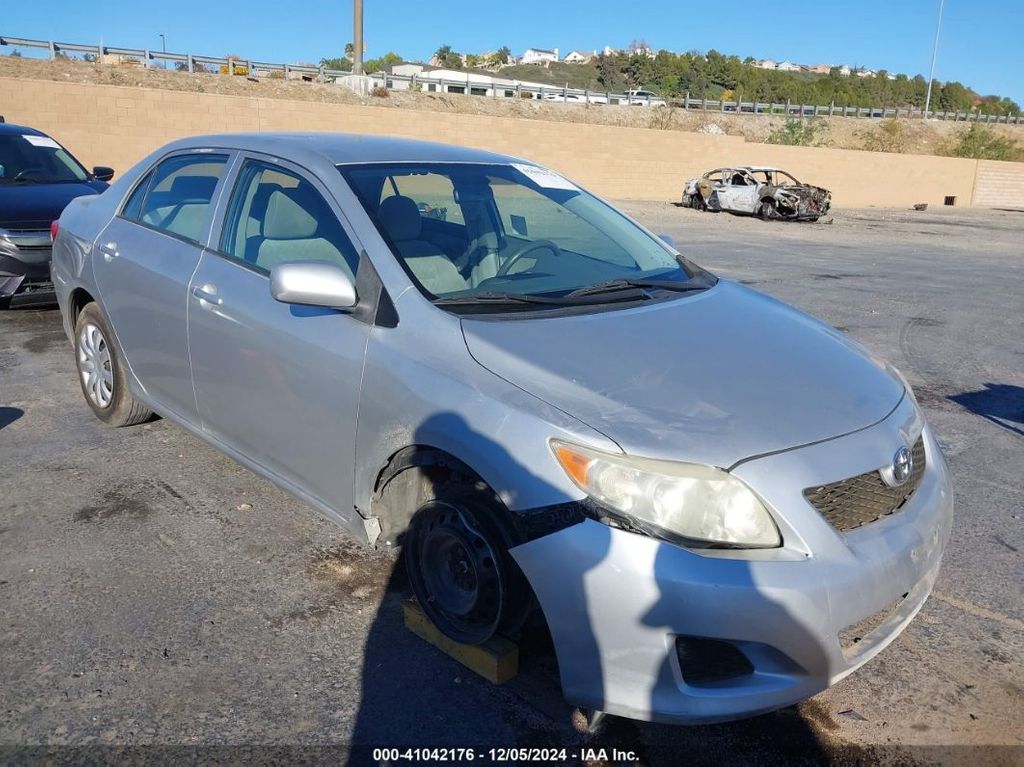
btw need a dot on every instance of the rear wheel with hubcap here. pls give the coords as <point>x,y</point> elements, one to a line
<point>101,372</point>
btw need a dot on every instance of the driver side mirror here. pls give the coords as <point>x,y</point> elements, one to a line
<point>102,173</point>
<point>313,283</point>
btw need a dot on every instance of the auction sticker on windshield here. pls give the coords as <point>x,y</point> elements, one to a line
<point>545,178</point>
<point>42,141</point>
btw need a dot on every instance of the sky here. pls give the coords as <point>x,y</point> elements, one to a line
<point>979,43</point>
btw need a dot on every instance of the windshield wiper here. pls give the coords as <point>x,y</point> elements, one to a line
<point>498,298</point>
<point>572,299</point>
<point>612,286</point>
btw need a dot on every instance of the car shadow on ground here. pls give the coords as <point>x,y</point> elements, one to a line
<point>9,415</point>
<point>409,690</point>
<point>1002,404</point>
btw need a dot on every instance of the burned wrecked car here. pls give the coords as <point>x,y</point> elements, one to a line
<point>756,191</point>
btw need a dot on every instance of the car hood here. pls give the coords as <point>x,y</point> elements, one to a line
<point>35,206</point>
<point>712,378</point>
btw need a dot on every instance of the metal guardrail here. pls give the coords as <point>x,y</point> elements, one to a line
<point>496,87</point>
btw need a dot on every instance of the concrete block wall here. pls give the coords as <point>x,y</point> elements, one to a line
<point>117,125</point>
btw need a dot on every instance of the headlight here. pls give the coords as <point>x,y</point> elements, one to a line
<point>704,505</point>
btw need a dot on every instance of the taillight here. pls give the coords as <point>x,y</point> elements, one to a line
<point>54,228</point>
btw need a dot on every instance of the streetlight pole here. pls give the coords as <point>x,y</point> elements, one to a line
<point>935,51</point>
<point>163,47</point>
<point>357,37</point>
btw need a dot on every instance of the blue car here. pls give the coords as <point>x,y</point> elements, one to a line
<point>38,177</point>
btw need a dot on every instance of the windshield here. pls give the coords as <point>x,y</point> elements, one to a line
<point>37,159</point>
<point>514,234</point>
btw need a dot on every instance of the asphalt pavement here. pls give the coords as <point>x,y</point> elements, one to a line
<point>153,592</point>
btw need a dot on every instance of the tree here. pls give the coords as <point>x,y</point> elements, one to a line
<point>446,57</point>
<point>504,54</point>
<point>608,74</point>
<point>386,61</point>
<point>341,64</point>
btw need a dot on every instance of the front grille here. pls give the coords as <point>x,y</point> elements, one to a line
<point>861,500</point>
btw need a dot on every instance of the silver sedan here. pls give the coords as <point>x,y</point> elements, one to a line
<point>720,505</point>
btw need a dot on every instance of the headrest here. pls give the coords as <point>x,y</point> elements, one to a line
<point>258,208</point>
<point>192,188</point>
<point>286,218</point>
<point>400,218</point>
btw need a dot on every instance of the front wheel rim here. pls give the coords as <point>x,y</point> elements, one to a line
<point>95,366</point>
<point>456,573</point>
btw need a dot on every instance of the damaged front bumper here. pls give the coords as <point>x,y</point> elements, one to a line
<point>804,203</point>
<point>25,267</point>
<point>651,631</point>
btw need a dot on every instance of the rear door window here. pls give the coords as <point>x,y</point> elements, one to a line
<point>179,197</point>
<point>133,207</point>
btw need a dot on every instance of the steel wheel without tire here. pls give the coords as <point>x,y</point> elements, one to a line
<point>767,210</point>
<point>457,569</point>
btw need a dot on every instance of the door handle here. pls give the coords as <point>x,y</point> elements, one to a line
<point>109,251</point>
<point>207,294</point>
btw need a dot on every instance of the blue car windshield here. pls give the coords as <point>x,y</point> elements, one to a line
<point>468,232</point>
<point>37,159</point>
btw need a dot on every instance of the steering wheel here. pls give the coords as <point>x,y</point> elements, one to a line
<point>521,250</point>
<point>28,172</point>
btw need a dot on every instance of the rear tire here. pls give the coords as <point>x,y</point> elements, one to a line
<point>101,372</point>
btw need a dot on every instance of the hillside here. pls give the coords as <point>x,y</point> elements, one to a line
<point>909,137</point>
<point>556,73</point>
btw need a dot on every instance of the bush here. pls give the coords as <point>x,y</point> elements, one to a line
<point>889,136</point>
<point>980,142</point>
<point>276,74</point>
<point>797,132</point>
<point>380,92</point>
<point>662,118</point>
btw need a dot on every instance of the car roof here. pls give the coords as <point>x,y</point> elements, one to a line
<point>20,130</point>
<point>345,148</point>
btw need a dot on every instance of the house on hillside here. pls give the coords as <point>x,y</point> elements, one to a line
<point>865,73</point>
<point>648,52</point>
<point>817,69</point>
<point>539,56</point>
<point>787,66</point>
<point>766,64</point>
<point>577,57</point>
<point>844,70</point>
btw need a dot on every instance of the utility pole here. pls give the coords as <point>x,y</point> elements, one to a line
<point>163,47</point>
<point>935,51</point>
<point>357,37</point>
